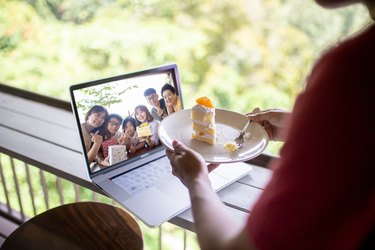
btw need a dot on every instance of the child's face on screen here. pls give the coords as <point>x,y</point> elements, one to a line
<point>96,119</point>
<point>169,97</point>
<point>113,125</point>
<point>141,115</point>
<point>129,129</point>
<point>153,100</point>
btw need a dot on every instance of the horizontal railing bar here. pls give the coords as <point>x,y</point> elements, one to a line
<point>42,139</point>
<point>52,170</point>
<point>58,103</point>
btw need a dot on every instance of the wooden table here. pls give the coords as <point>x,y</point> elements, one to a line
<point>82,225</point>
<point>42,131</point>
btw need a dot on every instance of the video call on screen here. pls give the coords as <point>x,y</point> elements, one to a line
<point>124,100</point>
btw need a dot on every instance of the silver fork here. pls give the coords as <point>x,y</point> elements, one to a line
<point>240,139</point>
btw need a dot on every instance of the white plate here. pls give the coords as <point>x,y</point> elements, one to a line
<point>178,126</point>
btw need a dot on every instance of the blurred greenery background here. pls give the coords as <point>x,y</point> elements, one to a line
<point>241,53</point>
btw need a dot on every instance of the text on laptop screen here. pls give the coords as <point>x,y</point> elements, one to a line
<point>119,116</point>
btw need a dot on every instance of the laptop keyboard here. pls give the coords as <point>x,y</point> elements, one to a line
<point>148,176</point>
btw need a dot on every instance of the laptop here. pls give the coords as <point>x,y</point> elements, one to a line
<point>140,180</point>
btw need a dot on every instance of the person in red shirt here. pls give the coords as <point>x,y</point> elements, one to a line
<point>322,192</point>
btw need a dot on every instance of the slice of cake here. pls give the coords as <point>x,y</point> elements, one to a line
<point>144,130</point>
<point>116,154</point>
<point>203,116</point>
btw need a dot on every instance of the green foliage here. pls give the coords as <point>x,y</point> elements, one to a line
<point>243,54</point>
<point>103,95</point>
<point>73,11</point>
<point>66,42</point>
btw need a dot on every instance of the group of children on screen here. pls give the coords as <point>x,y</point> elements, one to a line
<point>101,129</point>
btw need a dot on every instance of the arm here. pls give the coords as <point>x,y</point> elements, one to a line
<point>151,143</point>
<point>163,106</point>
<point>154,139</point>
<point>122,139</point>
<point>169,109</point>
<point>103,161</point>
<point>97,140</point>
<point>135,148</point>
<point>160,112</point>
<point>215,227</point>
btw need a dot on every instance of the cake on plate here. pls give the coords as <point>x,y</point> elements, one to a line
<point>203,117</point>
<point>144,130</point>
<point>116,154</point>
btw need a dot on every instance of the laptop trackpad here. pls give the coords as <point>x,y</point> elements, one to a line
<point>154,207</point>
<point>176,190</point>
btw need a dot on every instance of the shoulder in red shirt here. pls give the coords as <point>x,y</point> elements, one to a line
<point>322,193</point>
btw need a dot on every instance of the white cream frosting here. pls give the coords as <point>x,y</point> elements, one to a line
<point>207,136</point>
<point>204,109</point>
<point>206,124</point>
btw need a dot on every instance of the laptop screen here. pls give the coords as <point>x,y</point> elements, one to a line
<point>118,117</point>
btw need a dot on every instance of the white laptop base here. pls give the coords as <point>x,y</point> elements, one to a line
<point>158,204</point>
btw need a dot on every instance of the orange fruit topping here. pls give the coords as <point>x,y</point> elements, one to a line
<point>205,101</point>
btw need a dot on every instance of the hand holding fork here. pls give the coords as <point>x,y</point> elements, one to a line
<point>240,139</point>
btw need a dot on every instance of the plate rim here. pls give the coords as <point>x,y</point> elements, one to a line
<point>228,160</point>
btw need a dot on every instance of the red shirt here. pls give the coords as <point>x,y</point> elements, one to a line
<point>322,193</point>
<point>106,144</point>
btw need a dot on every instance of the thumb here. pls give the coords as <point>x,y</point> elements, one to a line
<point>260,115</point>
<point>212,166</point>
<point>92,134</point>
<point>178,147</point>
<point>256,110</point>
<point>257,117</point>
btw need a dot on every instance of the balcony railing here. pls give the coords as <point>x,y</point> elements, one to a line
<point>27,190</point>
